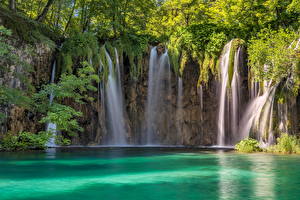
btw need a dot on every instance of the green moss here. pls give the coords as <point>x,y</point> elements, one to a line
<point>78,48</point>
<point>183,62</point>
<point>134,47</point>
<point>104,64</point>
<point>174,56</point>
<point>111,51</point>
<point>28,30</point>
<point>207,67</point>
<point>236,43</point>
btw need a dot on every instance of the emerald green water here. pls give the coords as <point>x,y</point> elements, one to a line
<point>147,173</point>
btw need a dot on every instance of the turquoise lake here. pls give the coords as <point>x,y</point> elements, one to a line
<point>147,173</point>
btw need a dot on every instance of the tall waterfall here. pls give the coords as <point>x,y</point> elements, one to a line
<point>114,103</point>
<point>229,102</point>
<point>179,110</point>
<point>224,64</point>
<point>158,88</point>
<point>235,97</point>
<point>51,127</point>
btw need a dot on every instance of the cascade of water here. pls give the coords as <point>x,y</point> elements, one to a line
<point>235,94</point>
<point>114,104</point>
<point>158,88</point>
<point>254,88</point>
<point>230,93</point>
<point>298,44</point>
<point>51,127</point>
<point>179,109</point>
<point>200,92</point>
<point>201,97</point>
<point>258,116</point>
<point>282,115</point>
<point>224,80</point>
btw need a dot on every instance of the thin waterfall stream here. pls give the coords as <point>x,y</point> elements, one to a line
<point>179,110</point>
<point>51,127</point>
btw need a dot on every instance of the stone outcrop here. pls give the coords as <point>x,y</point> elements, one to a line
<point>196,127</point>
<point>38,58</point>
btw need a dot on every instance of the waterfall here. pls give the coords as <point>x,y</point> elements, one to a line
<point>158,88</point>
<point>179,110</point>
<point>51,127</point>
<point>114,103</point>
<point>258,116</point>
<point>224,64</point>
<point>235,96</point>
<point>282,115</point>
<point>200,91</point>
<point>253,89</point>
<point>230,93</point>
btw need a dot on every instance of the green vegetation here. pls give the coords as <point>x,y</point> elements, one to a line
<point>273,56</point>
<point>248,145</point>
<point>24,141</point>
<point>286,144</point>
<point>69,87</point>
<point>80,47</point>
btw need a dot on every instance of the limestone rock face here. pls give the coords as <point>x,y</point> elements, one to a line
<point>196,127</point>
<point>39,58</point>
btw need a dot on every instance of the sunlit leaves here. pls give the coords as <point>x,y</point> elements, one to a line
<point>272,55</point>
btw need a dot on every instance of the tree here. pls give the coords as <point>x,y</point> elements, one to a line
<point>42,16</point>
<point>273,56</point>
<point>12,5</point>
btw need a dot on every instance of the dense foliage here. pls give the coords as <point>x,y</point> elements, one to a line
<point>248,145</point>
<point>273,56</point>
<point>69,87</point>
<point>286,144</point>
<point>24,141</point>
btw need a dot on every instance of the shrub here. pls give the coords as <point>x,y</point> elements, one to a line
<point>62,141</point>
<point>248,145</point>
<point>286,144</point>
<point>24,141</point>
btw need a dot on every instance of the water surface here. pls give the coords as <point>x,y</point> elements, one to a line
<point>147,173</point>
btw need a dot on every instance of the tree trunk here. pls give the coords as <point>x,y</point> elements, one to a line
<point>70,17</point>
<point>43,15</point>
<point>12,5</point>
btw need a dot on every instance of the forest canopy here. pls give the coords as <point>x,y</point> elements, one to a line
<point>196,29</point>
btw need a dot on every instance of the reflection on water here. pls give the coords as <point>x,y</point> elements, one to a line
<point>50,153</point>
<point>262,166</point>
<point>227,187</point>
<point>250,176</point>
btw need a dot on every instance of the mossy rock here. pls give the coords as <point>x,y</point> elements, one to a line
<point>235,45</point>
<point>27,29</point>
